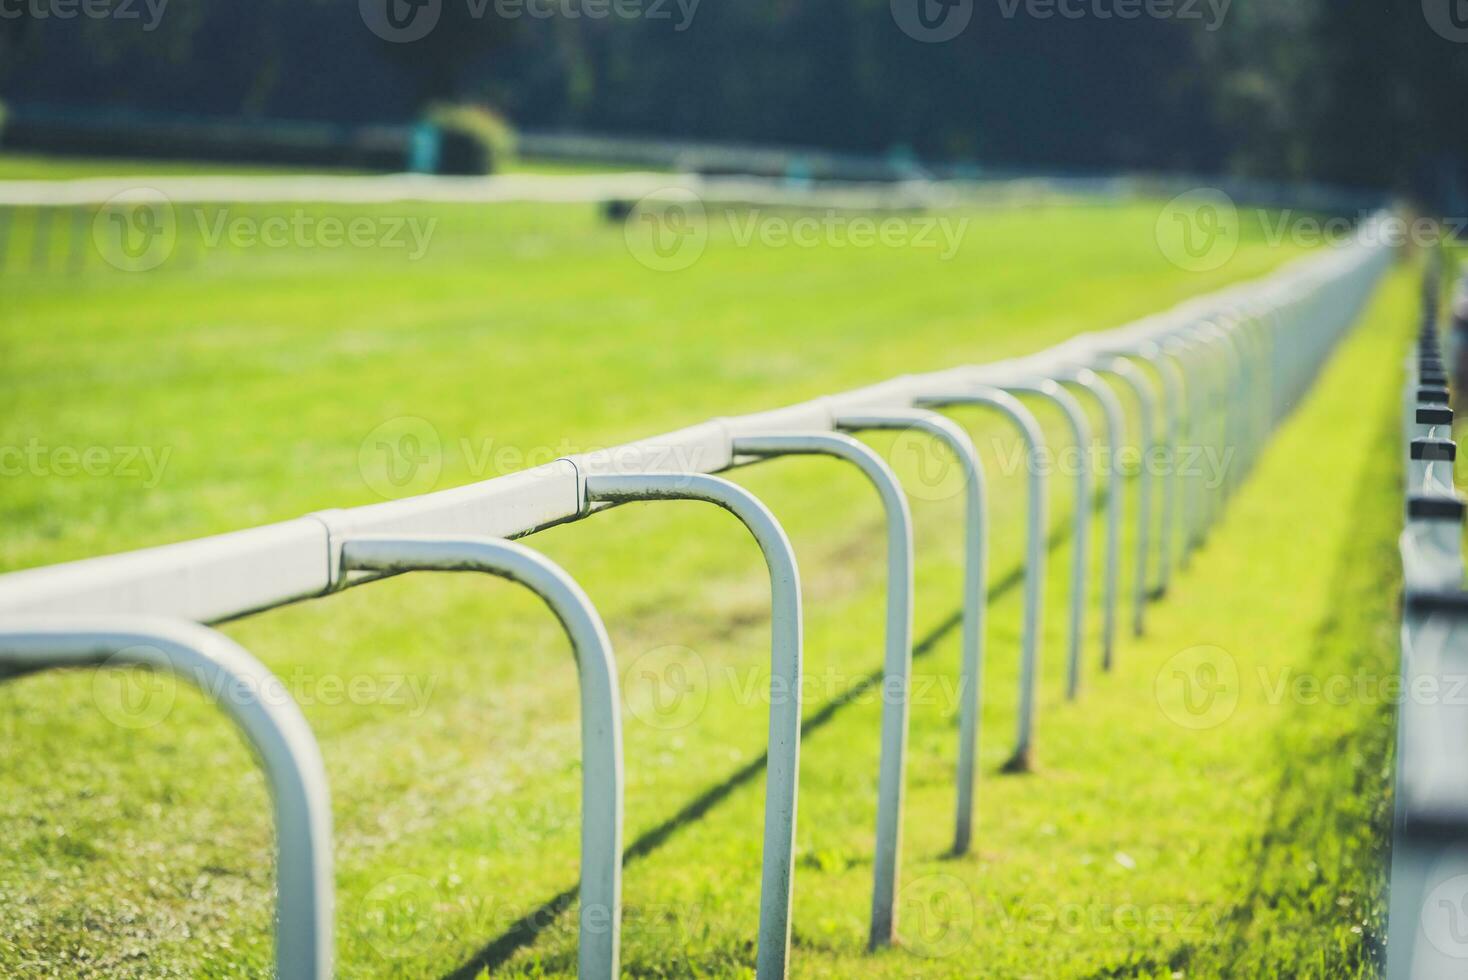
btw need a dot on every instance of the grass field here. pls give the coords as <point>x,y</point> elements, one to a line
<point>253,378</point>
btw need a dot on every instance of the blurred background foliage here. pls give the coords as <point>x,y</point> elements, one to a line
<point>1350,93</point>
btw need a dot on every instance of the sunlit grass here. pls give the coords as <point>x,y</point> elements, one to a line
<point>527,332</point>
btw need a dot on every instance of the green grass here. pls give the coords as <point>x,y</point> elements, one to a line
<point>1140,847</point>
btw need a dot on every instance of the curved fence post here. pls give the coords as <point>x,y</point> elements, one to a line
<point>257,703</point>
<point>1080,429</point>
<point>1224,327</point>
<point>1029,429</point>
<point>1147,420</point>
<point>1175,356</point>
<point>1172,410</point>
<point>601,725</point>
<point>897,663</point>
<point>1226,373</point>
<point>1201,373</point>
<point>777,876</point>
<point>1241,333</point>
<point>1224,377</point>
<point>1189,352</point>
<point>974,600</point>
<point>1115,423</point>
<point>1251,339</point>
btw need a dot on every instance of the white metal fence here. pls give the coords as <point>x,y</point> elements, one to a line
<point>1216,372</point>
<point>1427,932</point>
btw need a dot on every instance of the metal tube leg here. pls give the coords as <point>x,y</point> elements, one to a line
<point>601,724</point>
<point>1270,382</point>
<point>1246,349</point>
<point>1210,422</point>
<point>777,878</point>
<point>1034,437</point>
<point>1251,341</point>
<point>975,580</point>
<point>1226,395</point>
<point>1201,373</point>
<point>1115,493</point>
<point>1240,401</point>
<point>1185,355</point>
<point>7,219</point>
<point>41,240</point>
<point>1147,402</point>
<point>257,702</point>
<point>897,669</point>
<point>1172,408</point>
<point>1081,432</point>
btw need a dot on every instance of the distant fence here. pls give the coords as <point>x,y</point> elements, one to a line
<point>762,169</point>
<point>134,223</point>
<point>69,227</point>
<point>1428,913</point>
<point>799,164</point>
<point>1216,372</point>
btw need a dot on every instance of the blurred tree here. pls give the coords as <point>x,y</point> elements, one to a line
<point>465,32</point>
<point>1355,93</point>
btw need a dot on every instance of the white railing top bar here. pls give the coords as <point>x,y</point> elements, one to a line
<point>206,580</point>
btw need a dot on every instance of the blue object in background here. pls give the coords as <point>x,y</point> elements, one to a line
<point>798,172</point>
<point>424,148</point>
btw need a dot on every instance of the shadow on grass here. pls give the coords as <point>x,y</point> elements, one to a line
<point>1312,893</point>
<point>529,927</point>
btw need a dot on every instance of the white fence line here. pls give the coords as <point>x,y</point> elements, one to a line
<point>1242,358</point>
<point>1429,864</point>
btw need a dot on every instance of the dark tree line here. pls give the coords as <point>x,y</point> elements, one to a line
<point>1356,93</point>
